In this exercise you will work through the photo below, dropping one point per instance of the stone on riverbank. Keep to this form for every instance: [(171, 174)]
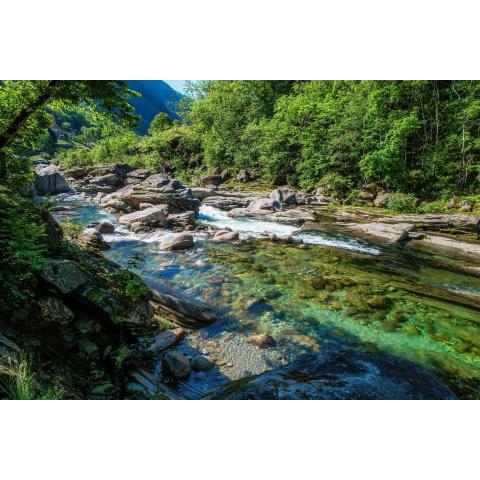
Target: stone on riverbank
[(49, 180), (211, 180)]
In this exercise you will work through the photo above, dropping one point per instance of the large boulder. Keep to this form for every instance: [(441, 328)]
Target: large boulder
[(264, 204), (136, 176), (439, 221), (182, 220), (65, 275), (226, 203), (150, 217), (341, 375), (179, 199), (295, 216), (225, 236), (211, 180), (105, 227), (49, 180), (284, 195), (202, 192), (390, 233), (381, 199), (110, 179), (76, 173)]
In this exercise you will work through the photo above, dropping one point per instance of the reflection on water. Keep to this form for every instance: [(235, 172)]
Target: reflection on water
[(333, 289)]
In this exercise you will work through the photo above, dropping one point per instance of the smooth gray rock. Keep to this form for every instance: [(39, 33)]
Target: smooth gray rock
[(342, 375), (392, 233), (49, 180), (154, 216)]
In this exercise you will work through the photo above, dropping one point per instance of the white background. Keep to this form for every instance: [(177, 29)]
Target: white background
[(260, 39)]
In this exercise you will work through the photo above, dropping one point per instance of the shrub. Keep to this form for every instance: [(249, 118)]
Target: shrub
[(23, 244), (402, 202), (71, 230), (436, 206)]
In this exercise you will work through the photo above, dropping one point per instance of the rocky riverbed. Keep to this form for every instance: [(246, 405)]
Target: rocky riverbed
[(256, 280)]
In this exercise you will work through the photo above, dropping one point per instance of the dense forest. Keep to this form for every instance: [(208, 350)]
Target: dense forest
[(420, 137)]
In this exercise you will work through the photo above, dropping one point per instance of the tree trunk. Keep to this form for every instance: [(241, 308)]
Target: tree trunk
[(8, 136)]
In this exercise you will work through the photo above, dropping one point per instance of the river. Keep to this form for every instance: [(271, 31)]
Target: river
[(329, 291)]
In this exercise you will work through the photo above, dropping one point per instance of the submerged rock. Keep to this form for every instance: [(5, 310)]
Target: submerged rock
[(261, 340), (200, 363), (225, 236), (344, 375)]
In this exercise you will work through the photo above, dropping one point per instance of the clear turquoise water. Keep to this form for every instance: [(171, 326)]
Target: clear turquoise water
[(335, 289)]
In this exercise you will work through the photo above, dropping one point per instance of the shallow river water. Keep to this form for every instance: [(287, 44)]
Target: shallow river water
[(329, 290)]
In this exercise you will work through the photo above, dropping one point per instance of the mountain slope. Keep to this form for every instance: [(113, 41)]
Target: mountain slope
[(157, 96)]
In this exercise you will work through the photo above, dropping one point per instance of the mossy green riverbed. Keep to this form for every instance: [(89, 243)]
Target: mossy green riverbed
[(421, 307)]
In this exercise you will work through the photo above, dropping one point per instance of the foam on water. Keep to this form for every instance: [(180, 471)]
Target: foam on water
[(220, 219)]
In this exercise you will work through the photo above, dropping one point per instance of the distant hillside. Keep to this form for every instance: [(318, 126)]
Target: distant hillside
[(157, 96)]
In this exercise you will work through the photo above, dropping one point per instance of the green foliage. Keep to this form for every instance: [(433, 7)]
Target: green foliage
[(128, 285), (23, 244), (160, 122), (402, 202), (436, 206), (418, 137), (21, 385), (24, 118), (71, 230), (120, 354)]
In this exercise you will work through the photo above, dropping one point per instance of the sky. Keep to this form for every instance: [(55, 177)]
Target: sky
[(178, 85)]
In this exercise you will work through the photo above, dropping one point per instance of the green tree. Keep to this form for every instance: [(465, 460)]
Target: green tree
[(160, 122)]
